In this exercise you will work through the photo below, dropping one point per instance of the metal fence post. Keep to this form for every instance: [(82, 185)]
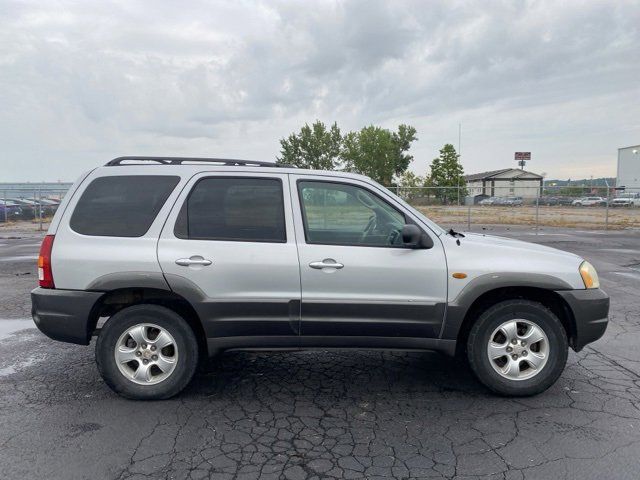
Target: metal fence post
[(6, 216), (537, 209), (40, 208), (469, 217), (35, 208), (606, 212)]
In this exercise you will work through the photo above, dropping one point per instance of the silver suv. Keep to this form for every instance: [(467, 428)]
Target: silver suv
[(168, 261)]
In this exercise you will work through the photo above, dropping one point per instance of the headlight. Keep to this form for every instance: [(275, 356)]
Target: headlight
[(589, 275)]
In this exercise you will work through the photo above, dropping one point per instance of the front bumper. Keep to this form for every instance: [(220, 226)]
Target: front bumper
[(63, 315), (590, 310)]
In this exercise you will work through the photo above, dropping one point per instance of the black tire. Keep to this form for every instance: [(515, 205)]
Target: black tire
[(490, 320), (174, 324)]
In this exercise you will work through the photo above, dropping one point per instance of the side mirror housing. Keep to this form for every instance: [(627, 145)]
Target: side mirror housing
[(413, 237)]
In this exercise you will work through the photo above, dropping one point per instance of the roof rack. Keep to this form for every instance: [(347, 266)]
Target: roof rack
[(181, 160)]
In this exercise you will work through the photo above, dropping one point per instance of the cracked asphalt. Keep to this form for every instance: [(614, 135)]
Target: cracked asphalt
[(325, 414)]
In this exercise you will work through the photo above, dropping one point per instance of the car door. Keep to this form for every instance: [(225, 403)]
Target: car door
[(228, 246), (358, 282)]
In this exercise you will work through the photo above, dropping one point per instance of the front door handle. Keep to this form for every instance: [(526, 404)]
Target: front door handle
[(193, 260), (326, 263)]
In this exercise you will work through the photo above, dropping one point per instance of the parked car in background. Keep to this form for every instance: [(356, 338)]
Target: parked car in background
[(626, 200), (512, 201), (31, 208), (555, 200), (565, 201), (23, 201), (9, 211), (548, 200), (489, 201), (589, 202), (49, 206), (27, 208), (505, 201)]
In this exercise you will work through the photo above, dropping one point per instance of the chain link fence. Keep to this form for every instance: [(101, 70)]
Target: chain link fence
[(555, 206), (35, 204), (465, 207)]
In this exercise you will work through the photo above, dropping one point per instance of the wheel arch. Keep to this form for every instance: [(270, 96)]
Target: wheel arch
[(546, 297), (118, 299), (489, 289)]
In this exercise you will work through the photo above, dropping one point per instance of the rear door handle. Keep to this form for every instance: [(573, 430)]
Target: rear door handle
[(326, 263), (193, 260)]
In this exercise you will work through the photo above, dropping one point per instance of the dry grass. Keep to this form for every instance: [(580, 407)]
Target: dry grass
[(22, 226)]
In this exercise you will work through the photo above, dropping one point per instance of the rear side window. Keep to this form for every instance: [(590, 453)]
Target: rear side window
[(121, 206), (234, 209)]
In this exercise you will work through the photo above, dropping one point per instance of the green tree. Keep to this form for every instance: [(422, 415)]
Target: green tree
[(409, 186), (574, 191), (447, 174), (314, 147), (378, 152)]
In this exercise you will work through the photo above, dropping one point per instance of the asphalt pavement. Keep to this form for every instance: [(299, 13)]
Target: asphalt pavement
[(325, 414)]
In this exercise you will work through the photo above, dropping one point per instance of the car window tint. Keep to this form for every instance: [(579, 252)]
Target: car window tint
[(343, 214), (121, 205), (234, 209)]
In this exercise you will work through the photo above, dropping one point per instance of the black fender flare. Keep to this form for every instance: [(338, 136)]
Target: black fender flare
[(457, 309)]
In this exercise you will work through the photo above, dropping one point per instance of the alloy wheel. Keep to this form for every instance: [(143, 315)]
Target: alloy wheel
[(518, 349), (146, 354)]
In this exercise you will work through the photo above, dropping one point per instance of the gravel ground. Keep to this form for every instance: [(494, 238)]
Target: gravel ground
[(324, 414)]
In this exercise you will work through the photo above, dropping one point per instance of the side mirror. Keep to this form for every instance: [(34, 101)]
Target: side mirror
[(413, 237)]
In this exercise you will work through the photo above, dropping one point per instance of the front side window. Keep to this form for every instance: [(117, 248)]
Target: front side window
[(343, 214), (234, 209), (121, 205)]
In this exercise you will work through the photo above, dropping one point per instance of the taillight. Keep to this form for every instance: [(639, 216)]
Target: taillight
[(45, 275)]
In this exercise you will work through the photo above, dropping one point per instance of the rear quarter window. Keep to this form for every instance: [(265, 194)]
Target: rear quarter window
[(121, 206)]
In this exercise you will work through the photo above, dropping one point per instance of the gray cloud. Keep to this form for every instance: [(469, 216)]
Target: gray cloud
[(83, 82)]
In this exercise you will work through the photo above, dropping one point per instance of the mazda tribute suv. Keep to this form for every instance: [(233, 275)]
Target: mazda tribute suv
[(168, 261)]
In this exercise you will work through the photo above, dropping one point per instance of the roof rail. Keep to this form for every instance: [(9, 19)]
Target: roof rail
[(180, 160)]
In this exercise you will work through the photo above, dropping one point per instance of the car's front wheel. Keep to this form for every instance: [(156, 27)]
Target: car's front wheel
[(517, 347), (147, 352)]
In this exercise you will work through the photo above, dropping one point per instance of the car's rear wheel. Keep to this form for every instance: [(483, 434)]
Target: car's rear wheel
[(517, 347), (147, 352)]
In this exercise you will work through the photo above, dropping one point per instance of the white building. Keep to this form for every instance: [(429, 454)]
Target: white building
[(629, 167), (505, 183)]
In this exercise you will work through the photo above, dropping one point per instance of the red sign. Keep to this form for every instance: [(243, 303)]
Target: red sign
[(523, 156)]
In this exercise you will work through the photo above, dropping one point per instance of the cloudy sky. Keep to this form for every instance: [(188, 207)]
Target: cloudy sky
[(82, 82)]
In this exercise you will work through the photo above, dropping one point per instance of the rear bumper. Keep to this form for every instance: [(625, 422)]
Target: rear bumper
[(63, 314), (590, 310)]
